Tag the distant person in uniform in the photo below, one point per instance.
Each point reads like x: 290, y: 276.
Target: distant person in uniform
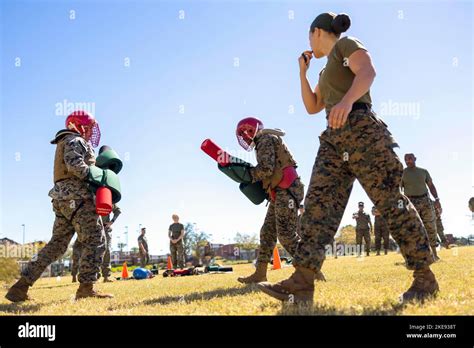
x: 176, y: 234
x: 143, y: 248
x: 414, y: 183
x: 208, y: 254
x: 381, y: 232
x: 363, y: 228
x: 440, y: 227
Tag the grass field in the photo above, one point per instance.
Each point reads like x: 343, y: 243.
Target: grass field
x: 367, y: 286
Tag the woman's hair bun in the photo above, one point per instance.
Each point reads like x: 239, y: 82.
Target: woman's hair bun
x: 341, y: 23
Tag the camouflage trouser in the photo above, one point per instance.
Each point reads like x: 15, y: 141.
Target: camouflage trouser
x: 362, y: 149
x: 76, y: 257
x: 381, y: 233
x: 440, y: 229
x: 425, y: 209
x: 105, y: 265
x: 281, y: 221
x: 79, y: 217
x: 144, y: 259
x: 177, y: 254
x: 363, y: 234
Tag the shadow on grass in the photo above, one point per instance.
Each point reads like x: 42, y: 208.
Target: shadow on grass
x: 19, y: 308
x: 198, y: 296
x: 316, y: 309
x: 55, y: 286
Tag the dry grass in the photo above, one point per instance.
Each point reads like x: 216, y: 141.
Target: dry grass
x: 369, y: 286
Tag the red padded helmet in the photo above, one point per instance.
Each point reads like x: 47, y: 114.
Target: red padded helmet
x: 86, y: 125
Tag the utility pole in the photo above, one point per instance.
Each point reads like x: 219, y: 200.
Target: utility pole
x: 126, y: 238
x: 24, y: 228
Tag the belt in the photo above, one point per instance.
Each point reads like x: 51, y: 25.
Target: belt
x: 422, y: 196
x: 361, y: 106
x: 355, y: 107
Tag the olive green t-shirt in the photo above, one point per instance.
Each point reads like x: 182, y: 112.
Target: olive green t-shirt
x: 176, y: 229
x: 414, y: 181
x: 336, y: 77
x: 362, y: 221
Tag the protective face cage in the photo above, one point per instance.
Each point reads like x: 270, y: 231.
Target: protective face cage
x: 245, y: 138
x: 95, y: 135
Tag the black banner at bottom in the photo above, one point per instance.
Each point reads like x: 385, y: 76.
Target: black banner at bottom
x: 225, y: 331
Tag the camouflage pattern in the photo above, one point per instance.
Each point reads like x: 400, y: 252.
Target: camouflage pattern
x: 76, y: 216
x: 381, y: 232
x: 106, y: 267
x: 362, y: 149
x: 365, y: 235
x: 281, y: 221
x: 76, y: 257
x: 177, y: 254
x: 426, y: 210
x: 439, y: 225
x: 143, y: 250
x: 272, y: 157
x: 78, y: 156
x: 363, y: 227
x: 74, y: 207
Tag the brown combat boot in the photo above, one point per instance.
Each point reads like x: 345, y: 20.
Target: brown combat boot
x: 87, y: 290
x: 260, y: 275
x: 19, y: 291
x: 299, y: 288
x: 74, y: 278
x: 108, y: 280
x: 319, y: 276
x: 423, y: 286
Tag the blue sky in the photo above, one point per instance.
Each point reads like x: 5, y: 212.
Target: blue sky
x: 161, y: 76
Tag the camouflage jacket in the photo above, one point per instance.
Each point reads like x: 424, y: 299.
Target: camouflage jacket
x: 272, y: 157
x: 78, y: 156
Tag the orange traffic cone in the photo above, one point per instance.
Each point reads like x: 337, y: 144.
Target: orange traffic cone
x: 276, y: 259
x: 170, y: 263
x: 124, y: 271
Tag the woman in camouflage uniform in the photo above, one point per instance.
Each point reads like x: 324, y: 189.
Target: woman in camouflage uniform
x: 355, y: 145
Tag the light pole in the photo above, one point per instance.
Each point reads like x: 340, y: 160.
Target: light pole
x: 126, y: 238
x: 24, y: 228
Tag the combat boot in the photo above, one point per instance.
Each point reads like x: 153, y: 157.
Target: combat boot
x: 319, y: 276
x: 386, y: 251
x: 435, y: 255
x: 87, y: 290
x: 378, y: 253
x: 299, y: 288
x: 260, y: 275
x: 423, y: 286
x: 108, y: 280
x: 74, y: 278
x: 19, y: 291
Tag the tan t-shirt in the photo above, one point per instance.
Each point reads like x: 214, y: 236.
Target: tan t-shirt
x: 336, y: 77
x: 414, y: 181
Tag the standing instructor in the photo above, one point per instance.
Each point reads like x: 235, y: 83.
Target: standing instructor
x: 355, y: 145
